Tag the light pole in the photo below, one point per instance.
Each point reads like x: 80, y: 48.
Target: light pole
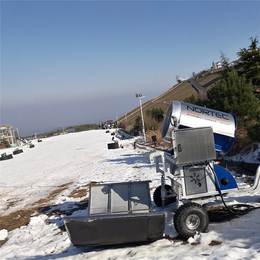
x: 139, y: 95
x: 18, y: 133
x: 18, y: 137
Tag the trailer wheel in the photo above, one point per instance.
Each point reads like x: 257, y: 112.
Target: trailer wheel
x: 190, y: 218
x: 157, y: 198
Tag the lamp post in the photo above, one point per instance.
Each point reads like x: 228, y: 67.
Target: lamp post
x: 17, y: 133
x: 18, y: 137
x: 139, y: 95
x: 116, y: 121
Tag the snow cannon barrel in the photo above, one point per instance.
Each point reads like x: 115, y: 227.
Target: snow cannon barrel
x: 181, y: 115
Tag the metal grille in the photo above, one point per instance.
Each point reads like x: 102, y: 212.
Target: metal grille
x: 194, y: 145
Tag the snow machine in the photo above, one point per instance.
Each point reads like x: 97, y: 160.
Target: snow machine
x: 17, y: 151
x: 118, y: 213
x: 5, y: 156
x: 113, y: 145
x: 198, y: 135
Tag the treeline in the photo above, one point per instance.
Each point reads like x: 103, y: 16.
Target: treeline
x: 238, y: 91
x: 86, y: 127
x: 77, y: 128
x: 152, y: 119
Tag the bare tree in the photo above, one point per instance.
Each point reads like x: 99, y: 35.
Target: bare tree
x: 177, y: 78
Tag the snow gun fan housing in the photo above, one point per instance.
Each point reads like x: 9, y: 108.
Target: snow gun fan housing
x: 181, y: 115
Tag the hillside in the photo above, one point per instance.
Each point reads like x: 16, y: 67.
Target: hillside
x: 178, y: 92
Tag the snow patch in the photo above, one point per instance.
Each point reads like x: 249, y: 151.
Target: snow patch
x: 3, y: 234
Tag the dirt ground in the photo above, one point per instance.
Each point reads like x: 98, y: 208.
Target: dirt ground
x: 20, y: 218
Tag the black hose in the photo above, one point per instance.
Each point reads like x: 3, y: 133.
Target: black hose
x: 227, y: 211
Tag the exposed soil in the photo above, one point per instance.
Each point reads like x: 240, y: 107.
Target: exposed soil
x: 81, y: 191
x: 21, y: 218
x: 184, y: 241
x: 15, y: 220
x: 243, y: 144
x: 214, y: 243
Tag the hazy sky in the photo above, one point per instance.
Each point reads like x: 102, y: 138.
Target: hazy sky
x: 74, y: 62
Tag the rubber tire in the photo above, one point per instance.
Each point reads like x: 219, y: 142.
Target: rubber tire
x: 158, y: 199
x: 184, y: 212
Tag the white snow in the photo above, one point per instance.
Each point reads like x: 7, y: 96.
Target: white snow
x: 252, y: 156
x: 3, y: 234
x: 70, y: 162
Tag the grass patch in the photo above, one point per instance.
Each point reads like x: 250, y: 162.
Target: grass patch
x: 215, y: 243
x: 12, y: 203
x: 202, y: 78
x: 82, y: 191
x: 16, y: 219
x: 53, y: 194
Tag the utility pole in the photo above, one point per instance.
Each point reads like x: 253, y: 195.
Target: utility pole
x: 139, y: 95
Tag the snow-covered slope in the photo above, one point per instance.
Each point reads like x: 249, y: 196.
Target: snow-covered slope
x: 250, y: 156
x: 56, y: 171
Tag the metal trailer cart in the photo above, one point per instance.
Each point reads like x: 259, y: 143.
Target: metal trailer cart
x: 198, y: 135
x: 118, y: 213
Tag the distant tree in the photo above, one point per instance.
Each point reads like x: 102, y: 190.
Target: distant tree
x: 254, y: 132
x: 191, y: 100
x: 6, y: 143
x: 225, y: 64
x: 196, y: 101
x: 138, y: 122
x: 224, y: 61
x: 193, y: 75
x: 148, y: 112
x: 177, y: 77
x: 121, y: 125
x: 251, y: 61
x: 233, y: 93
x: 157, y: 113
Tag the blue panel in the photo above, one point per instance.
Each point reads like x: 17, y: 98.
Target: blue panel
x: 226, y: 180
x: 223, y: 143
